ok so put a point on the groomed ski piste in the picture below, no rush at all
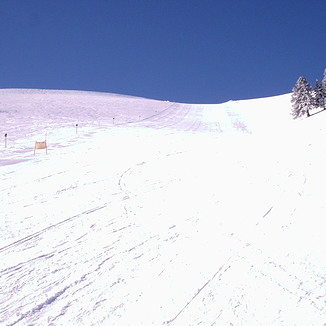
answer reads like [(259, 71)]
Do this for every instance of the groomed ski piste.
[(148, 212)]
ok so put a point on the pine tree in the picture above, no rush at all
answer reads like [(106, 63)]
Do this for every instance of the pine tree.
[(302, 100), (319, 95), (323, 86), (324, 79)]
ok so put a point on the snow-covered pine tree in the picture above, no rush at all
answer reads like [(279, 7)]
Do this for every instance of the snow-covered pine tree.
[(323, 85), (302, 100), (324, 79), (319, 95)]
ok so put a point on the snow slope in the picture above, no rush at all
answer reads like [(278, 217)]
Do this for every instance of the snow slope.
[(147, 212)]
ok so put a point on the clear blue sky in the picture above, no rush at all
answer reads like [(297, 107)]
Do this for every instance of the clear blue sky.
[(193, 51)]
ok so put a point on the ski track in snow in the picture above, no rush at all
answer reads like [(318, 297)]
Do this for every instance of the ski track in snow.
[(159, 213)]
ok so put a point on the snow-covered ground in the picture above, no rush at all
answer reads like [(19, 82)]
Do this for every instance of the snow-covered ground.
[(148, 212)]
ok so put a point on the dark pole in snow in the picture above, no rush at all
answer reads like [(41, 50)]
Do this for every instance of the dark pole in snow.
[(76, 127), (5, 140)]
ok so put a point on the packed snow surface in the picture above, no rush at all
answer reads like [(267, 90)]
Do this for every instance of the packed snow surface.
[(147, 212)]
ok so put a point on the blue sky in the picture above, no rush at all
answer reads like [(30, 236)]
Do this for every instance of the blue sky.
[(192, 51)]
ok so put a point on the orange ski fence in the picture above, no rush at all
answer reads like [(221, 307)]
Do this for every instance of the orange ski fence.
[(41, 145)]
